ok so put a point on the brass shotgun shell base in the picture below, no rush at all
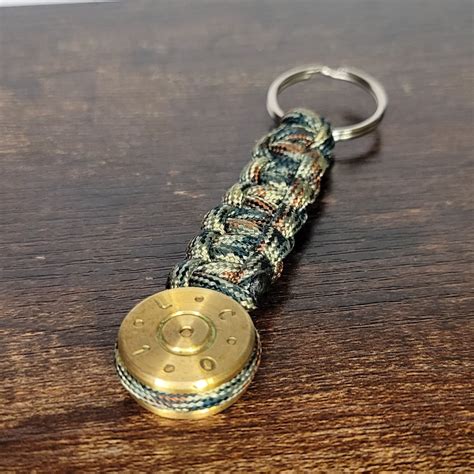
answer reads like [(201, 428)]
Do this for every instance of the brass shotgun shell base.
[(187, 352)]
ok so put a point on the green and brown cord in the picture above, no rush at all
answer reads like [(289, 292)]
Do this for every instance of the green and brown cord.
[(244, 240)]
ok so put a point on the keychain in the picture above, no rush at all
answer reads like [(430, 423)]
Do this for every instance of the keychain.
[(192, 350)]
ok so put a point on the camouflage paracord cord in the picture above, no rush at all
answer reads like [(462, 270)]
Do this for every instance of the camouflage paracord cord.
[(244, 240)]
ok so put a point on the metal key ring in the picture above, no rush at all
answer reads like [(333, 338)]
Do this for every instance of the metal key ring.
[(360, 78)]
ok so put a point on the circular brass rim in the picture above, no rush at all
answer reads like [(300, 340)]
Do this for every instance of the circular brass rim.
[(186, 340)]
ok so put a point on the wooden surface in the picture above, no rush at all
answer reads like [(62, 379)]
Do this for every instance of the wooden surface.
[(122, 124)]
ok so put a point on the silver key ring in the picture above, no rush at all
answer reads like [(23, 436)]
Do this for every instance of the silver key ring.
[(360, 78)]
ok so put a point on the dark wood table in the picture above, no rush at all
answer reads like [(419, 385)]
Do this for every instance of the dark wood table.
[(123, 123)]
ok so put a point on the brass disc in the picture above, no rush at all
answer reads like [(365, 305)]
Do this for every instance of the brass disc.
[(186, 340)]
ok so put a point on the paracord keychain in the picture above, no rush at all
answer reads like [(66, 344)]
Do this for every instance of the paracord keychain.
[(191, 351)]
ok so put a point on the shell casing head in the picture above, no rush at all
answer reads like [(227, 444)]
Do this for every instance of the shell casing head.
[(187, 352)]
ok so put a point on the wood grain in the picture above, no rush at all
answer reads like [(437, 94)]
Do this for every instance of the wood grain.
[(123, 123)]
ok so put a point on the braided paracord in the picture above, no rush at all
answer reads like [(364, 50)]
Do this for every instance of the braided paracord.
[(243, 241)]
